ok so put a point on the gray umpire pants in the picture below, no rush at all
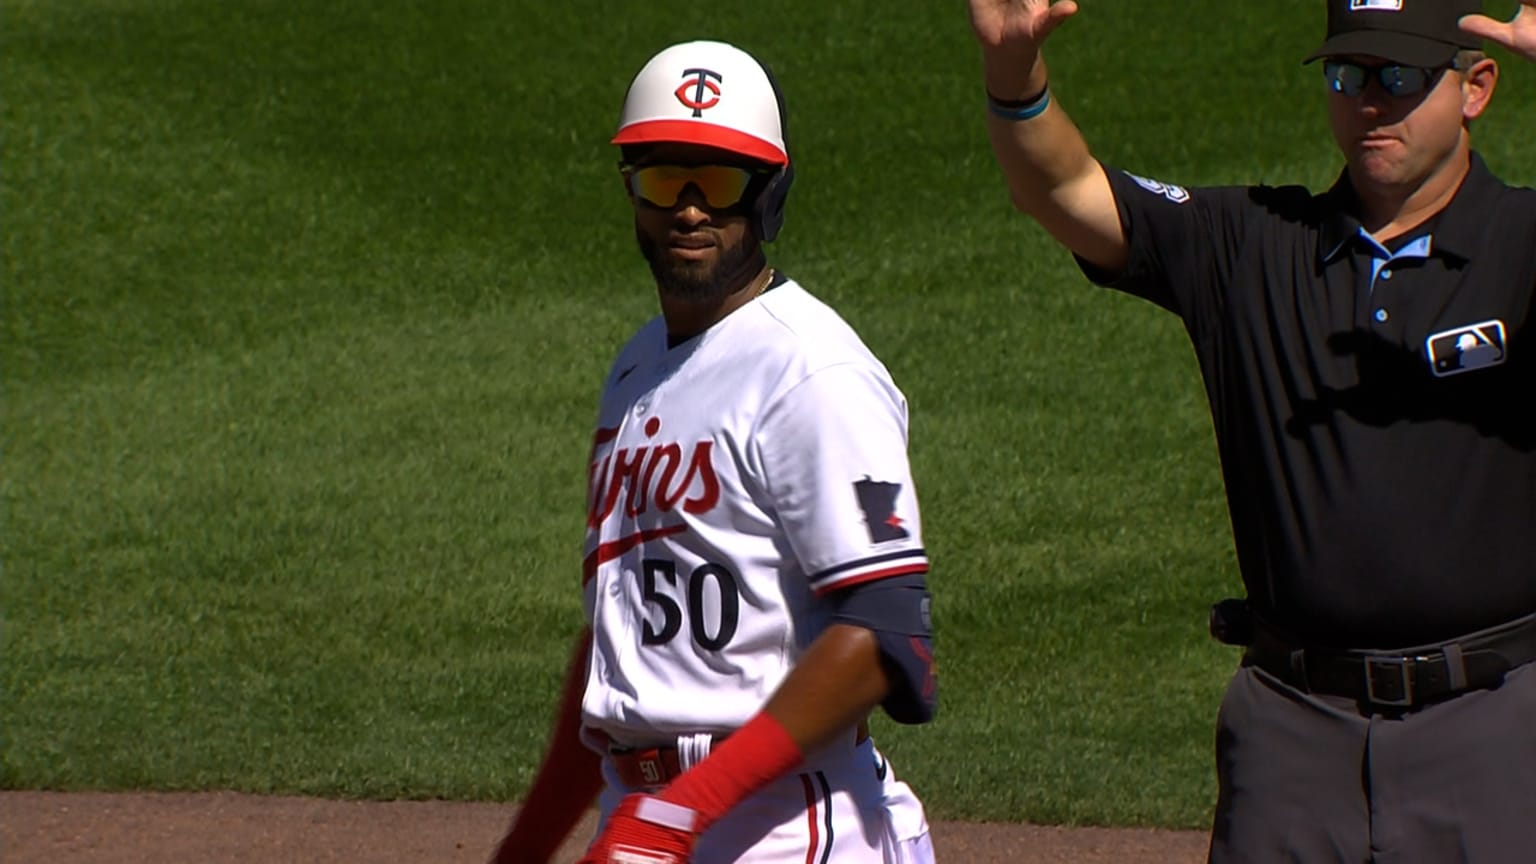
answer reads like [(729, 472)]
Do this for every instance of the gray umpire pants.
[(1309, 779)]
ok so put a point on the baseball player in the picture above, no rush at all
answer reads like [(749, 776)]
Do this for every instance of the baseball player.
[(754, 573)]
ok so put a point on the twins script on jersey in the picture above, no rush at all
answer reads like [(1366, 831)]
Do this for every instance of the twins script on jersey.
[(734, 480)]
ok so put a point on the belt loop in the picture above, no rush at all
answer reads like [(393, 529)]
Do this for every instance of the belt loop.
[(691, 749), (1455, 665)]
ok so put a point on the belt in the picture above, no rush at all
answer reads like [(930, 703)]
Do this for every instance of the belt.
[(1404, 679), (641, 767)]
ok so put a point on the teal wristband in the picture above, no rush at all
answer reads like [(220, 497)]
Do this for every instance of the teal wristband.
[(1018, 111)]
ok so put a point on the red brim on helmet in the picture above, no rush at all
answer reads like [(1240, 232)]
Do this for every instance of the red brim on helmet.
[(694, 132)]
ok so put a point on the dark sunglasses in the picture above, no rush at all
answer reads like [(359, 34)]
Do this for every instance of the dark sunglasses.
[(721, 185), (1349, 79)]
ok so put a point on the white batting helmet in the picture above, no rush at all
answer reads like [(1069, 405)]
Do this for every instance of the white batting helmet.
[(717, 95), (705, 93)]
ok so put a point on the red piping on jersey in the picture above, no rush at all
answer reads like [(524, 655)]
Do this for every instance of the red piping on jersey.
[(614, 548), (810, 817), (900, 570)]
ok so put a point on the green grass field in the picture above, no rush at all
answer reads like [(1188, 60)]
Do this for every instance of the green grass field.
[(305, 306)]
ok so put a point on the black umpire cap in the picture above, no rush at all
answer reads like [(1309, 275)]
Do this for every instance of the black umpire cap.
[(1411, 32)]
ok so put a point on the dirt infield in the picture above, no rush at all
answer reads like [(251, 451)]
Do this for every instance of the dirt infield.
[(231, 828)]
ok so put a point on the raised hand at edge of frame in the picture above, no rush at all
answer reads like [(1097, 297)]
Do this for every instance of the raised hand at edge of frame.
[(1518, 34), (1018, 25)]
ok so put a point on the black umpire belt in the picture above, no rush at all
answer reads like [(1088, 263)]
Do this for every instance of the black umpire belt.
[(1405, 679)]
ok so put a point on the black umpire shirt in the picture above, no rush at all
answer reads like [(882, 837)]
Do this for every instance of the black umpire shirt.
[(1374, 408)]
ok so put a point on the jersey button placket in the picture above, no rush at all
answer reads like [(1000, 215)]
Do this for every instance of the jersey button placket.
[(1387, 286), (1383, 293)]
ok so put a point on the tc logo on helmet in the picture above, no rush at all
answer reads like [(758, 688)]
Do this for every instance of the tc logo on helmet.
[(698, 81)]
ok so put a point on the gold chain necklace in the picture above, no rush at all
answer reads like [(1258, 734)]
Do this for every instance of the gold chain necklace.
[(762, 285)]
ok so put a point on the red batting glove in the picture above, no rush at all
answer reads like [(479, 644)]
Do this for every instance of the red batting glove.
[(645, 830)]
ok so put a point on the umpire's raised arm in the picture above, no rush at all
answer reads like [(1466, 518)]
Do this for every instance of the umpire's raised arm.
[(1051, 174), (1363, 349)]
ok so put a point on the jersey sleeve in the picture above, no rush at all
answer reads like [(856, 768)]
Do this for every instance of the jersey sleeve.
[(1181, 240), (834, 450)]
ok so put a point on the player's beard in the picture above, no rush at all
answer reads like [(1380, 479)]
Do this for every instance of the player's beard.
[(697, 283)]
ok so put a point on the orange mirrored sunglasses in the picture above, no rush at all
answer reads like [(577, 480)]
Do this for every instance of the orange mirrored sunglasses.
[(721, 185)]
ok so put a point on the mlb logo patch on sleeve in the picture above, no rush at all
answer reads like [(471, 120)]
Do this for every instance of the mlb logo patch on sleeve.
[(1462, 349)]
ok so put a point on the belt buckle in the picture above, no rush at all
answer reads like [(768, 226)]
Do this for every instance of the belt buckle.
[(650, 767), (1378, 692), (647, 763)]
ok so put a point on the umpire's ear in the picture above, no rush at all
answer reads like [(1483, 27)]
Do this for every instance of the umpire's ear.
[(1477, 85)]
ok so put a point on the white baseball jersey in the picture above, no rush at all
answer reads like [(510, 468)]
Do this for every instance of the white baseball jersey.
[(735, 479)]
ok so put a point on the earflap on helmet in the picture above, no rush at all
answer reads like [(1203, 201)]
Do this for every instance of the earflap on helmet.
[(768, 209)]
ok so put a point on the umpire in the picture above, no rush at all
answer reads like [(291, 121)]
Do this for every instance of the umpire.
[(1369, 354)]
